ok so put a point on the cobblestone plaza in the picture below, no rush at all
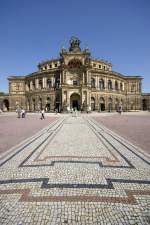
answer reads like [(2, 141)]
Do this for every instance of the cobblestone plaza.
[(74, 171)]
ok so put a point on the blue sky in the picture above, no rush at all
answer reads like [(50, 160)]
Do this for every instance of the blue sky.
[(35, 30)]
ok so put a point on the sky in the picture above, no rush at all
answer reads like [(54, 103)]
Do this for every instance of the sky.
[(32, 31)]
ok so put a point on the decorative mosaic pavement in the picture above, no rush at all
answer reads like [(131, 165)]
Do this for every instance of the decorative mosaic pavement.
[(75, 171)]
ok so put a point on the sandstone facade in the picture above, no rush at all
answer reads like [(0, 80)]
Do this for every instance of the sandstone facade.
[(75, 80)]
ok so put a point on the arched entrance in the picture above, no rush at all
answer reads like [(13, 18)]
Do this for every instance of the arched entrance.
[(92, 103), (101, 104), (5, 105), (75, 101), (144, 101), (48, 105)]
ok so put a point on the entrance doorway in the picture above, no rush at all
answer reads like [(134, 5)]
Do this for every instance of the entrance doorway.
[(102, 104), (75, 104), (92, 103), (75, 101), (145, 106), (5, 105), (48, 107)]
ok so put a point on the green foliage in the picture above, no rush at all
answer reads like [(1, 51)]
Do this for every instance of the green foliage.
[(2, 93)]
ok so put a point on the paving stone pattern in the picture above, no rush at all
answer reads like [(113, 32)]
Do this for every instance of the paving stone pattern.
[(14, 130), (135, 128), (77, 172)]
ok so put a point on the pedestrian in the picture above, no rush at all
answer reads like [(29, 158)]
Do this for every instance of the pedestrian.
[(42, 114), (18, 111), (120, 109), (23, 113), (76, 112), (56, 111)]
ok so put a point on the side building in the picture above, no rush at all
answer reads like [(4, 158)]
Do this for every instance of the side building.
[(75, 79)]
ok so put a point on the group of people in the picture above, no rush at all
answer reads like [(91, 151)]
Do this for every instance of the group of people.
[(21, 113)]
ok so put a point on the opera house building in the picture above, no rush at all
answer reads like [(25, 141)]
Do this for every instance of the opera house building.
[(75, 80)]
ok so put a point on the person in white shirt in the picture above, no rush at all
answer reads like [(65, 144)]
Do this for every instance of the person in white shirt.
[(23, 113), (42, 114)]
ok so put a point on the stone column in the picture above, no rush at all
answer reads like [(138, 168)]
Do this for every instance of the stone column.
[(96, 102), (27, 87), (106, 103), (88, 78), (97, 87), (68, 99), (64, 77), (36, 83), (113, 84), (53, 102), (83, 78), (31, 85), (90, 101), (82, 97), (105, 83), (60, 79), (43, 82), (53, 81), (118, 85), (123, 86)]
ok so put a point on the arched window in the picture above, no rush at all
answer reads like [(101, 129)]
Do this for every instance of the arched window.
[(140, 87), (33, 84), (74, 63), (40, 84), (49, 83), (48, 99), (116, 85), (92, 82), (132, 88), (101, 84), (121, 86), (109, 84), (58, 83)]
